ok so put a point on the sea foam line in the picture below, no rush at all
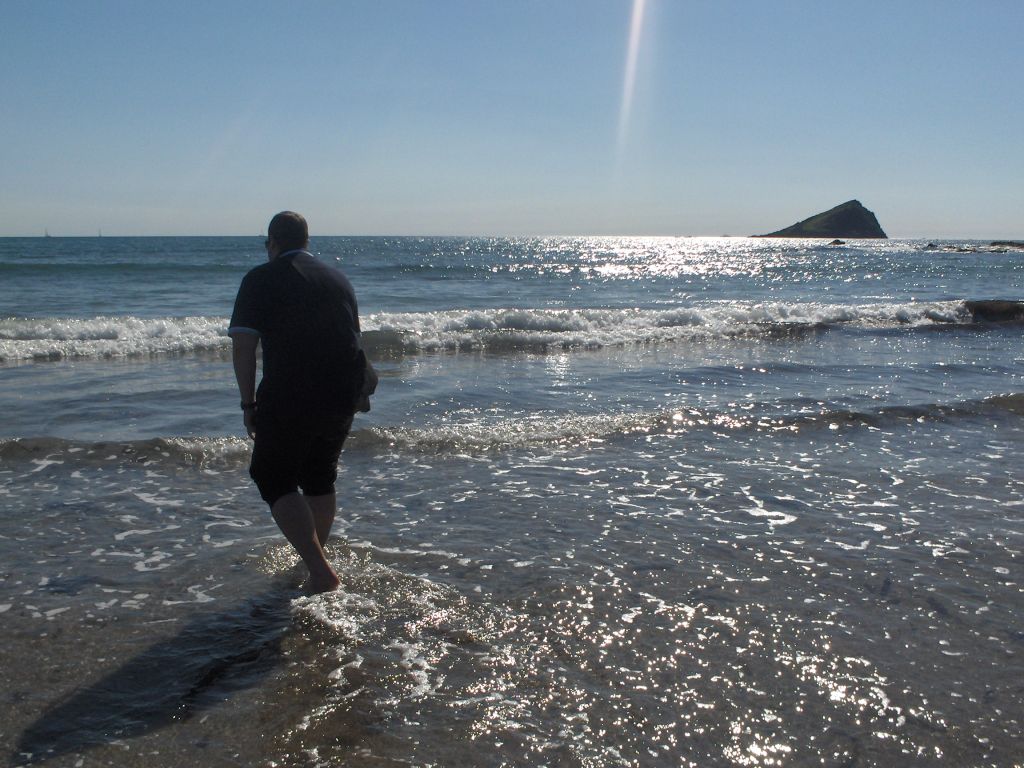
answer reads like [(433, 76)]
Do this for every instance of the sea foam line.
[(497, 330), (552, 430), (548, 429), (542, 329), (58, 338)]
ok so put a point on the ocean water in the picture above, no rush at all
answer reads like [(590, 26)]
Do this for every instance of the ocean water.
[(619, 502)]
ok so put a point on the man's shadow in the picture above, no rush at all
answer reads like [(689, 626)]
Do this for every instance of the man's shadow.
[(213, 656)]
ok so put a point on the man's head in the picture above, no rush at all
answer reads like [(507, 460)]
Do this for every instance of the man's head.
[(287, 232)]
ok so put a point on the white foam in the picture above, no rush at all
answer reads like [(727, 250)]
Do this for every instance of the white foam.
[(143, 532), (482, 329), (230, 522), (591, 328), (42, 464), (344, 613), (862, 546), (57, 338), (414, 662), (199, 595), (157, 562), (773, 518), (538, 429), (219, 544), (156, 501)]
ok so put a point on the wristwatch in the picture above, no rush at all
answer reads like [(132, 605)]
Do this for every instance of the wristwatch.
[(249, 406)]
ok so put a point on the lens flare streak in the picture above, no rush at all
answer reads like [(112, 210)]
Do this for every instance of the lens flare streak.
[(629, 80)]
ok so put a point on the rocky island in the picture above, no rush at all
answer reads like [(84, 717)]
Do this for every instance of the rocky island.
[(851, 219)]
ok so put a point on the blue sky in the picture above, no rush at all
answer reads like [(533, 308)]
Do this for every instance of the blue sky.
[(480, 117)]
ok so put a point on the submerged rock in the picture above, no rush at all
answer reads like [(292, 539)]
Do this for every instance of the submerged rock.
[(851, 219)]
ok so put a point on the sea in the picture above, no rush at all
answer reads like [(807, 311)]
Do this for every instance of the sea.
[(618, 502)]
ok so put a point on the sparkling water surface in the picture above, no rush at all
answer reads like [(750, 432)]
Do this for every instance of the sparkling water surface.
[(627, 502)]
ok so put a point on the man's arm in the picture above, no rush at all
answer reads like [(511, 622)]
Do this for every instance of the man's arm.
[(243, 357)]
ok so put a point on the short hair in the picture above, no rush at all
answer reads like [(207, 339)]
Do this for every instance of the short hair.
[(289, 230)]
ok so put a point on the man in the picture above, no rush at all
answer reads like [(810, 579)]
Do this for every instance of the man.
[(305, 314)]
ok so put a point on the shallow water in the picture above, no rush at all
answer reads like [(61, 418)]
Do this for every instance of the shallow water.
[(760, 505)]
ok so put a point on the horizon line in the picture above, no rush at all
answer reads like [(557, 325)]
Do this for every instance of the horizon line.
[(48, 236)]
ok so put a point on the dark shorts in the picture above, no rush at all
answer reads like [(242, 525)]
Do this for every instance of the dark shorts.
[(287, 457)]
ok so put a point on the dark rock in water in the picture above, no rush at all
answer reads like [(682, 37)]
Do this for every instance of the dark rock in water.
[(1015, 244), (850, 219), (838, 242), (994, 311)]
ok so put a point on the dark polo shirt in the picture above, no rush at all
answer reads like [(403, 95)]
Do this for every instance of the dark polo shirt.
[(306, 316)]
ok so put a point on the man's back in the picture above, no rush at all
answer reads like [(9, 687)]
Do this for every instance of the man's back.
[(306, 315)]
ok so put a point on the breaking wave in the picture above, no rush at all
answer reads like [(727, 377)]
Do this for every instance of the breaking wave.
[(544, 429), (99, 337), (202, 452), (554, 430), (498, 330), (501, 330)]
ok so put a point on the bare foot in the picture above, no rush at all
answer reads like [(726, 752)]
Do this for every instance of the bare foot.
[(325, 583)]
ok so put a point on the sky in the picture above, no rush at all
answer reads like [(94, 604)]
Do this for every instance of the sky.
[(520, 117)]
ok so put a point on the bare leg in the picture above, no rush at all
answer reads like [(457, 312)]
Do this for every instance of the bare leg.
[(295, 519), (323, 508)]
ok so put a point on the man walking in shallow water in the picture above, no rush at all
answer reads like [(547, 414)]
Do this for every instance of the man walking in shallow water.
[(305, 315)]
